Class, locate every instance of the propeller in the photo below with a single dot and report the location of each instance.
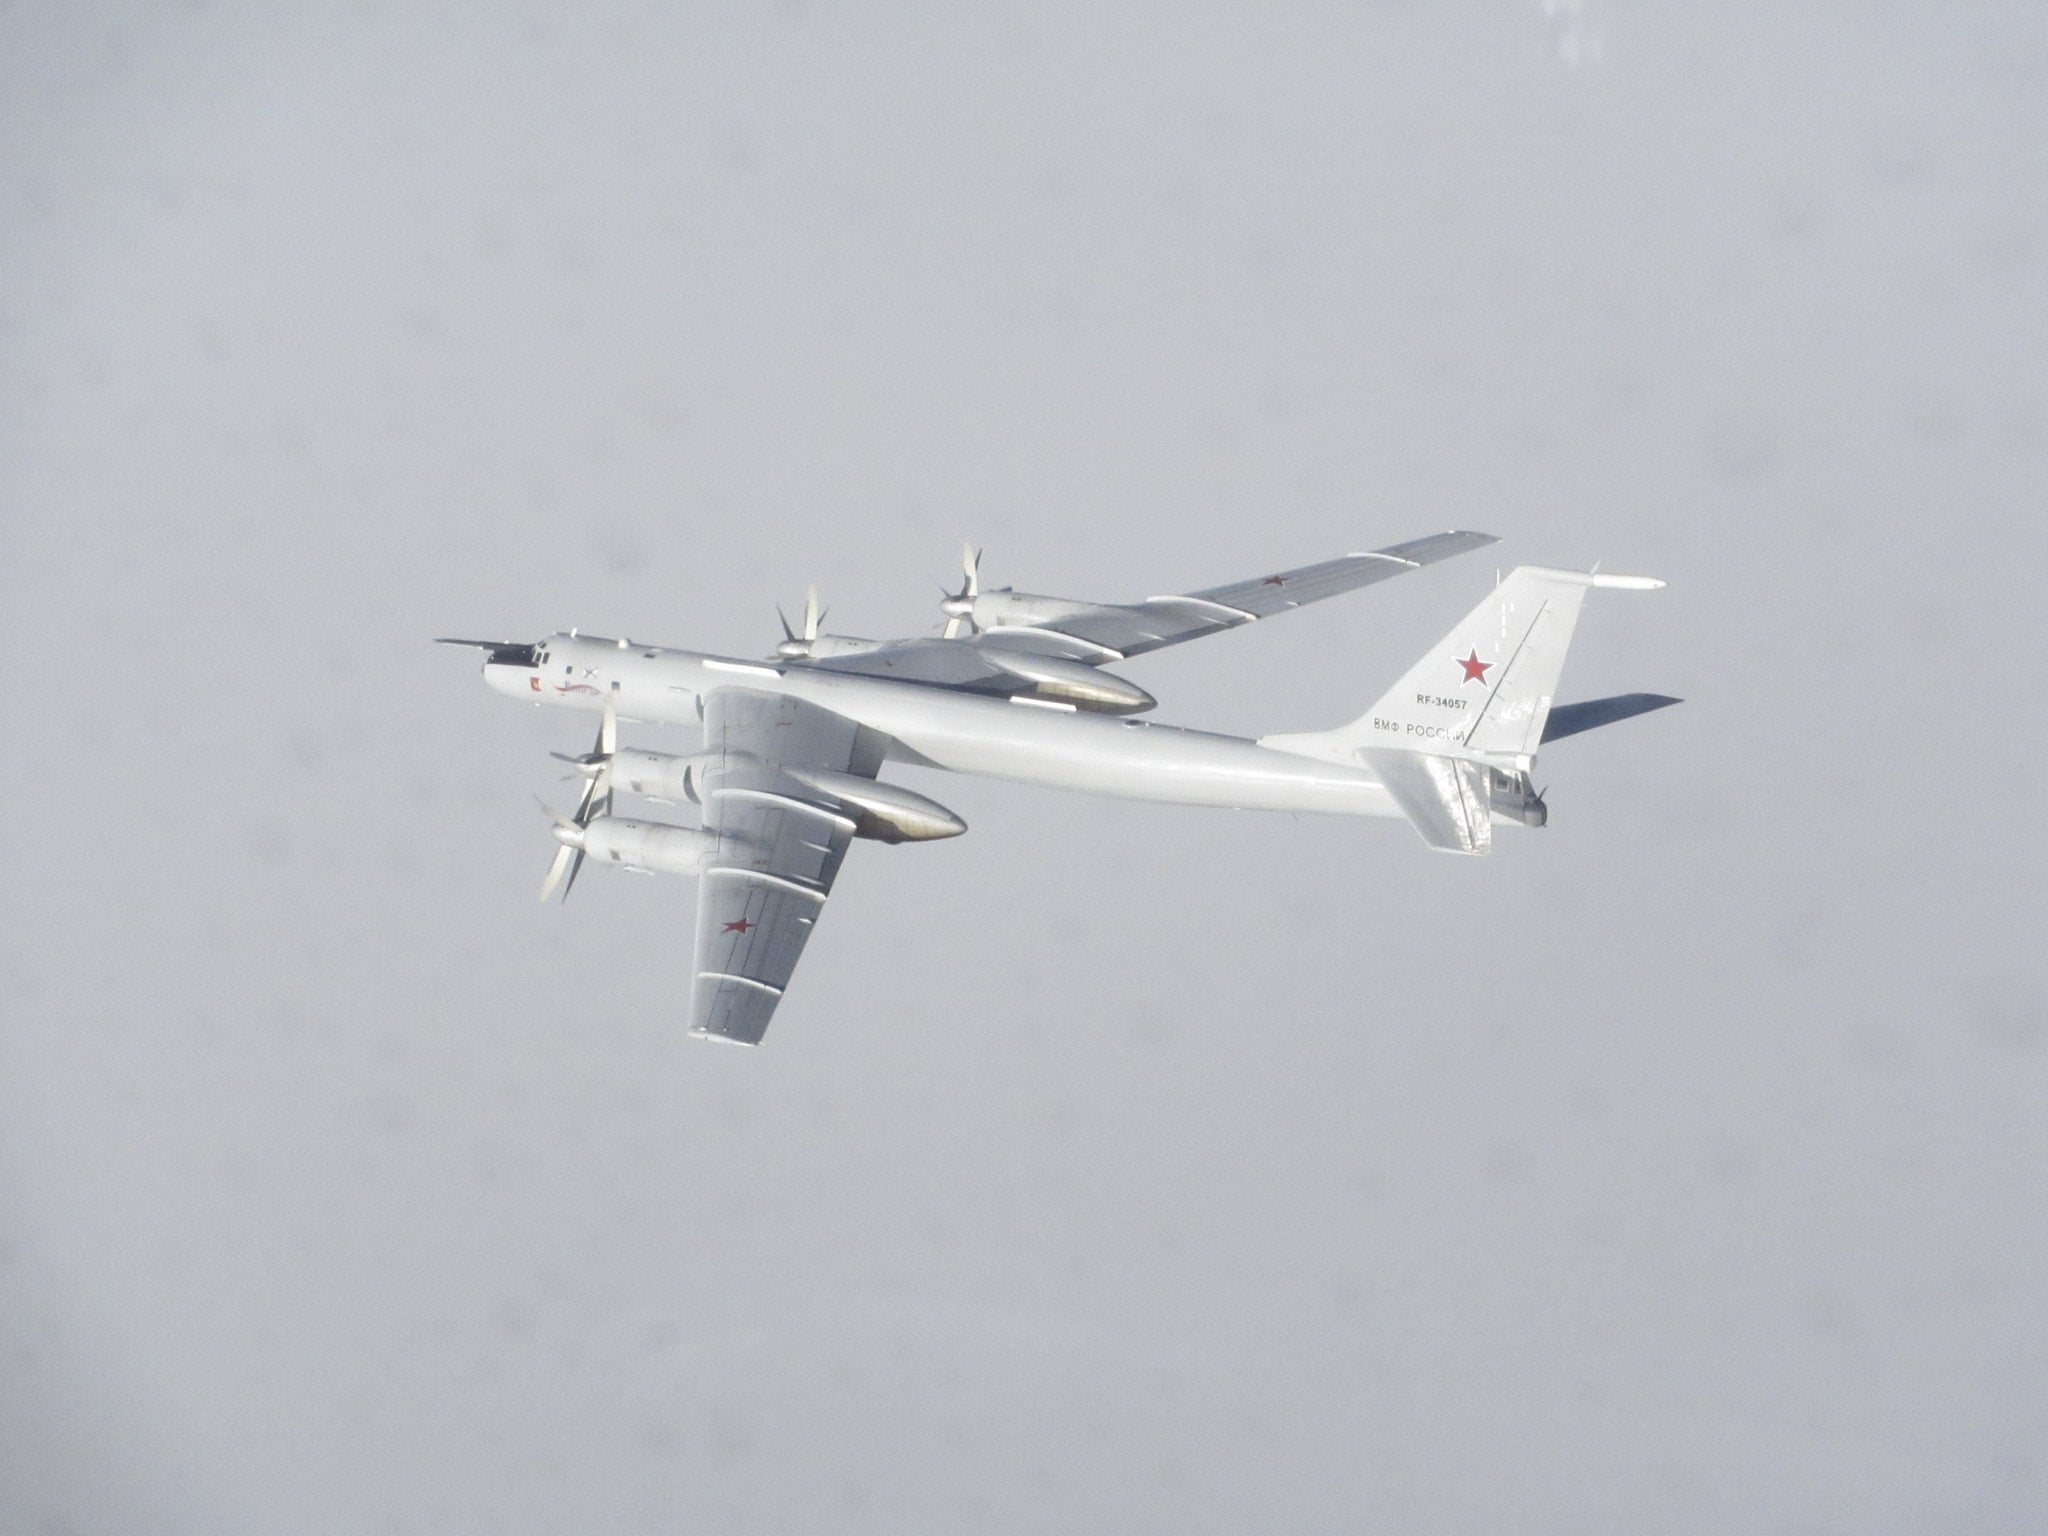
(794, 645)
(596, 767)
(958, 607)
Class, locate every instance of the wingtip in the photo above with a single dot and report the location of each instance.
(1430, 548)
(717, 1039)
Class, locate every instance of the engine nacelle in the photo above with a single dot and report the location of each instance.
(658, 775)
(818, 647)
(994, 610)
(888, 813)
(653, 847)
(1070, 682)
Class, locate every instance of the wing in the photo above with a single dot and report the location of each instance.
(1160, 621)
(780, 844)
(1096, 633)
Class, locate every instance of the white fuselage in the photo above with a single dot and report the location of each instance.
(961, 732)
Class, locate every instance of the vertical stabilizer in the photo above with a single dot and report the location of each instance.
(1454, 739)
(1489, 687)
(1486, 689)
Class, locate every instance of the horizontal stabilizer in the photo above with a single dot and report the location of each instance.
(1447, 798)
(1570, 719)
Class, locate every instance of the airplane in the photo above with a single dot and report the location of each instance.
(1015, 687)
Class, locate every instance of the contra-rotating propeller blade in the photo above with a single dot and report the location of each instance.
(797, 644)
(958, 607)
(568, 858)
(596, 801)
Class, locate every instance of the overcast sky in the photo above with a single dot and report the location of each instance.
(1679, 1168)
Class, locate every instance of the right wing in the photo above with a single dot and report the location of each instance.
(1160, 621)
(780, 844)
(1096, 633)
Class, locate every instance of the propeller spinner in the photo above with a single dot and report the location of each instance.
(958, 607)
(795, 645)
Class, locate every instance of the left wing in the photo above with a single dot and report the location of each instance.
(780, 843)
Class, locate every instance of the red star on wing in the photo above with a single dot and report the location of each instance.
(741, 926)
(1274, 581)
(1475, 669)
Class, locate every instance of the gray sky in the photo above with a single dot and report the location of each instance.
(1112, 1168)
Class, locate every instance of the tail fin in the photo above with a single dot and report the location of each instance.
(1481, 698)
(1486, 690)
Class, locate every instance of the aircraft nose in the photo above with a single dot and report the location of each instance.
(514, 681)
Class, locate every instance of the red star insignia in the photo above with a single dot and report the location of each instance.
(1475, 669)
(1274, 581)
(741, 926)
